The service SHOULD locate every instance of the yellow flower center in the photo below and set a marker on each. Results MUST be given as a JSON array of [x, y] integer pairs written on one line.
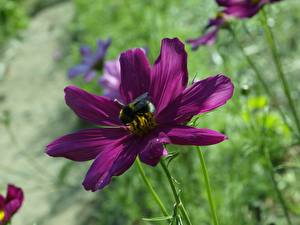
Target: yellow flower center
[[2, 215], [254, 2], [142, 124], [220, 15]]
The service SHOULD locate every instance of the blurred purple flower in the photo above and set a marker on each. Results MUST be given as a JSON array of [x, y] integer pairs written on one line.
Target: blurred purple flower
[[111, 79], [10, 204], [157, 105], [211, 32], [91, 61], [243, 8], [232, 8]]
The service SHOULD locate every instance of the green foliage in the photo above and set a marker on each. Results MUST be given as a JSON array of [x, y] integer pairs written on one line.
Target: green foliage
[[13, 18]]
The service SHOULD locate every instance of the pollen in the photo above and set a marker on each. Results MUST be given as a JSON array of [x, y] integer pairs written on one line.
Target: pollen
[[2, 215], [142, 124], [255, 1]]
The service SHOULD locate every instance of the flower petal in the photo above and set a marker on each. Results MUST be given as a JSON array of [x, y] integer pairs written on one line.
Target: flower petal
[[243, 11], [112, 69], [218, 21], [111, 78], [88, 76], [2, 201], [77, 70], [13, 201], [14, 192], [111, 162], [169, 75], [201, 97], [230, 2], [86, 144], [135, 74], [207, 39], [85, 51], [185, 135], [152, 153], [11, 208], [98, 175], [102, 47], [95, 109]]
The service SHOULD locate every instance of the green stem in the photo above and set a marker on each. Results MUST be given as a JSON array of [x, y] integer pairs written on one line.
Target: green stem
[[275, 184], [151, 189], [175, 193], [259, 76], [271, 42], [272, 173], [208, 187]]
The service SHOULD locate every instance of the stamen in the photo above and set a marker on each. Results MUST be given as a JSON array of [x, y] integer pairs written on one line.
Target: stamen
[[142, 124], [255, 2], [2, 215]]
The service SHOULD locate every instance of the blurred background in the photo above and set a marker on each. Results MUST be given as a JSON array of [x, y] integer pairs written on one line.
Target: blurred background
[[39, 42]]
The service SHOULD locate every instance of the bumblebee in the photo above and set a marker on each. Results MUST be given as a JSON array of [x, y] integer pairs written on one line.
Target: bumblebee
[[140, 107]]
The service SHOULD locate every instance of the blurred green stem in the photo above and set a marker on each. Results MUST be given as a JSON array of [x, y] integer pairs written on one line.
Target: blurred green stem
[[178, 201], [275, 184], [208, 188], [272, 173], [259, 76], [151, 189], [271, 42]]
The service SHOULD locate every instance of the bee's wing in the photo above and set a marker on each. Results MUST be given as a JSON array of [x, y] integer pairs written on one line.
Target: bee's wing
[[144, 96], [140, 102]]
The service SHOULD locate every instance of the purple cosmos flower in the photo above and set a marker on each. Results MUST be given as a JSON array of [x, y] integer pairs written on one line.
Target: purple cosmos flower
[[91, 61], [210, 37], [111, 79], [157, 105], [243, 8], [10, 204]]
